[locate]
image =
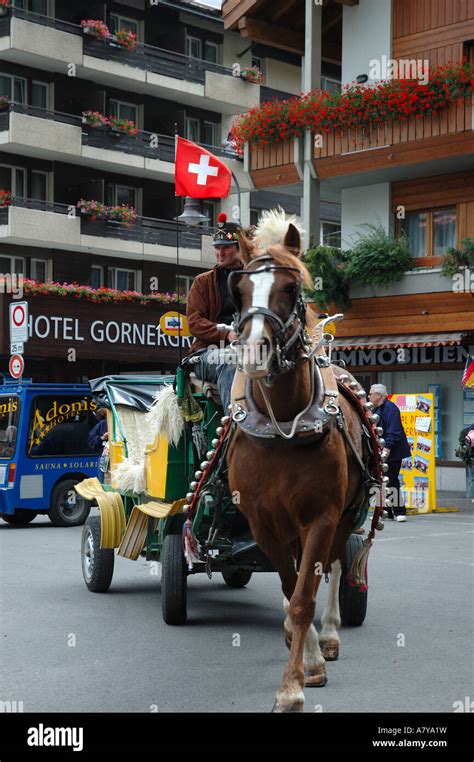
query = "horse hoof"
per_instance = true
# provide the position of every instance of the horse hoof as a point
(315, 677)
(292, 707)
(330, 650)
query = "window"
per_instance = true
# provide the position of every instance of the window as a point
(331, 234)
(123, 110)
(123, 22)
(39, 185)
(13, 87)
(9, 420)
(14, 180)
(255, 216)
(327, 83)
(121, 279)
(209, 133)
(59, 426)
(122, 194)
(430, 233)
(35, 6)
(12, 265)
(193, 47)
(209, 209)
(183, 284)
(97, 276)
(38, 270)
(256, 61)
(201, 132)
(193, 129)
(211, 52)
(39, 94)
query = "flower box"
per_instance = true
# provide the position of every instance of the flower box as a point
(94, 119)
(5, 197)
(126, 39)
(95, 28)
(122, 126)
(252, 74)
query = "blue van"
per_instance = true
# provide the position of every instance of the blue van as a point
(44, 451)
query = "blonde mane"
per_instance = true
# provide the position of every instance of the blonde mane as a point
(269, 236)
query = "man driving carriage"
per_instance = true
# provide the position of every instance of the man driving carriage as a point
(210, 310)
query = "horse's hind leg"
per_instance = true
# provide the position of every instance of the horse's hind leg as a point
(331, 619)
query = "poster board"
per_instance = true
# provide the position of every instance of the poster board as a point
(418, 472)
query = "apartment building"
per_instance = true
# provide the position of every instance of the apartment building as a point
(148, 64)
(414, 335)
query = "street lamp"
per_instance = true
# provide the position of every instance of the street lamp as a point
(191, 214)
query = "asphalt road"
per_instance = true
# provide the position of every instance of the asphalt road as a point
(66, 649)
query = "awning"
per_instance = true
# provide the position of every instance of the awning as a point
(392, 342)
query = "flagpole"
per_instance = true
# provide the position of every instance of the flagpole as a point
(178, 290)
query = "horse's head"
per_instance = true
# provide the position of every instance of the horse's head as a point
(272, 313)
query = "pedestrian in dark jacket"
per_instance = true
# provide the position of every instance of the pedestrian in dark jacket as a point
(98, 434)
(396, 445)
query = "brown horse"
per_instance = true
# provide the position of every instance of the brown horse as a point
(293, 495)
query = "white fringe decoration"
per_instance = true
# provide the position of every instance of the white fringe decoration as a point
(272, 228)
(129, 476)
(165, 416)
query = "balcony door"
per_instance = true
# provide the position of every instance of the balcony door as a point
(14, 180)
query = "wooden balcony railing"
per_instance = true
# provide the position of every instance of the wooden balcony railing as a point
(273, 164)
(411, 141)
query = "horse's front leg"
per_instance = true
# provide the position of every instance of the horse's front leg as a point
(313, 659)
(331, 619)
(317, 542)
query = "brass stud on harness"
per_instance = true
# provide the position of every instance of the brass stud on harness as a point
(379, 431)
(215, 442)
(193, 486)
(204, 464)
(385, 479)
(354, 385)
(189, 496)
(374, 418)
(368, 406)
(197, 474)
(225, 420)
(382, 443)
(362, 394)
(344, 378)
(210, 454)
(219, 431)
(385, 467)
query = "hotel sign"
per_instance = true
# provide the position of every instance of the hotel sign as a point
(107, 331)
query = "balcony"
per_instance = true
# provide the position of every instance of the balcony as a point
(387, 153)
(446, 138)
(31, 131)
(51, 225)
(54, 45)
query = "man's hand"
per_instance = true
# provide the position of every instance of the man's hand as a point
(232, 336)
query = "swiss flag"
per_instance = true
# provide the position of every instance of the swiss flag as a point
(198, 173)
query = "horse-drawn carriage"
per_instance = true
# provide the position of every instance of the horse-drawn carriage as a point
(150, 483)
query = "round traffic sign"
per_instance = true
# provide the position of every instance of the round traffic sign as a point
(16, 366)
(19, 315)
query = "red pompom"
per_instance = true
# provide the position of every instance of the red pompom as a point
(222, 217)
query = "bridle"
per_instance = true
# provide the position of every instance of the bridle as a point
(284, 342)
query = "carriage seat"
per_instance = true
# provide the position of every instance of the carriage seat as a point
(206, 388)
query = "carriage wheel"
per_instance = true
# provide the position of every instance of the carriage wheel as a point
(173, 580)
(353, 605)
(97, 562)
(237, 578)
